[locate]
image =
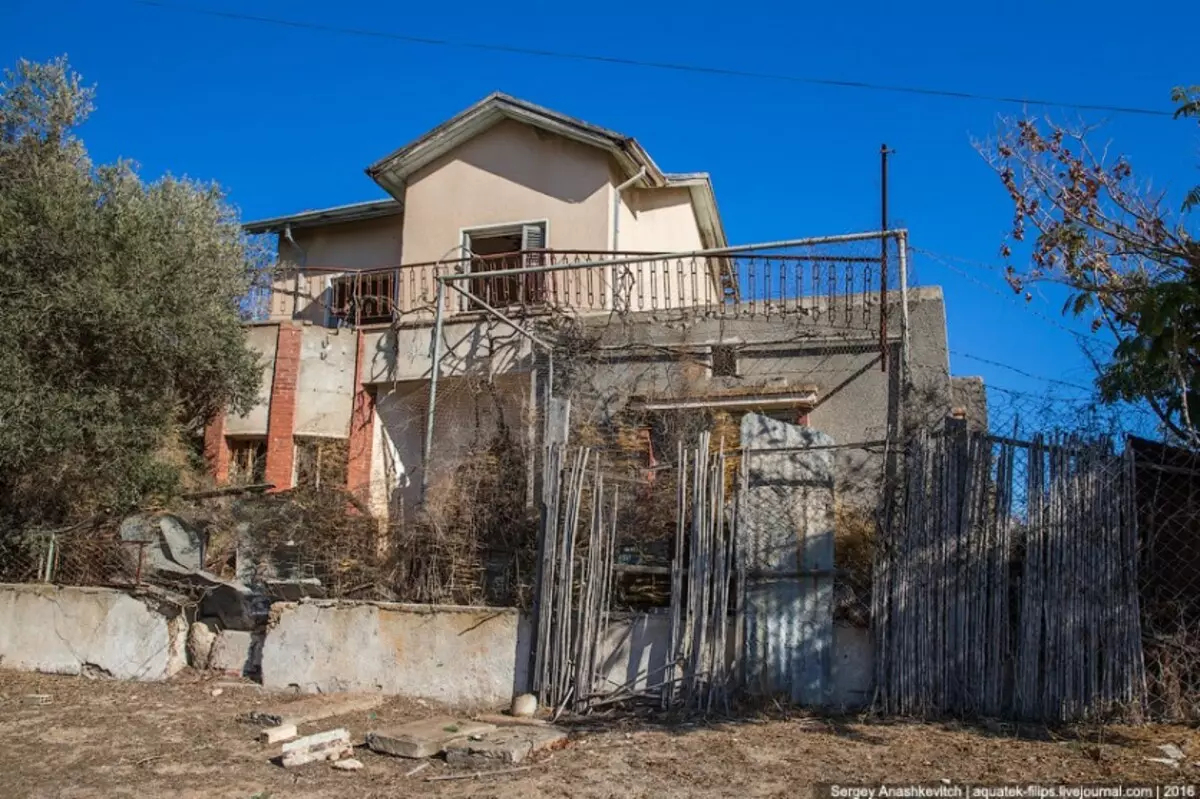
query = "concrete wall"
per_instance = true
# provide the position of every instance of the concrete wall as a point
(325, 385)
(469, 415)
(262, 339)
(69, 630)
(510, 173)
(459, 655)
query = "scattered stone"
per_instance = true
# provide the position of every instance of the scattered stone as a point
(315, 708)
(1165, 761)
(424, 738)
(524, 706)
(36, 699)
(506, 746)
(216, 692)
(348, 764)
(201, 637)
(329, 745)
(1172, 751)
(274, 735)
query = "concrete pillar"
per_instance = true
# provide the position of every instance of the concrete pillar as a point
(216, 449)
(281, 422)
(362, 428)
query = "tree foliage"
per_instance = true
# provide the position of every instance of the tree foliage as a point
(119, 311)
(1124, 252)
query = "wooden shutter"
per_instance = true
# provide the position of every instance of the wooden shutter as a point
(533, 237)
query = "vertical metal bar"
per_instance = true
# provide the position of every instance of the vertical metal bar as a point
(433, 382)
(902, 246)
(883, 254)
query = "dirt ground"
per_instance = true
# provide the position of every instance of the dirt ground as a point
(101, 738)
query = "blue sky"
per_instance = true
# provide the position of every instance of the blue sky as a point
(287, 119)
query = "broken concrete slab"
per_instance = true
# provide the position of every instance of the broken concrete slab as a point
(274, 735)
(505, 746)
(347, 764)
(315, 708)
(329, 745)
(424, 738)
(501, 720)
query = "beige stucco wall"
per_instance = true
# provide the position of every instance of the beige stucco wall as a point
(369, 244)
(510, 173)
(261, 339)
(663, 221)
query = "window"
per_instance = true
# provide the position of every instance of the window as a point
(724, 362)
(364, 298)
(247, 461)
(321, 462)
(508, 247)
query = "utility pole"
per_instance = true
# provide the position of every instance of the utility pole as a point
(884, 152)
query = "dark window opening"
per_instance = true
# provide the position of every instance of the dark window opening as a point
(510, 248)
(363, 299)
(247, 461)
(724, 362)
(321, 462)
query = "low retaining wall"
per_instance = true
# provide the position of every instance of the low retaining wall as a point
(71, 630)
(459, 655)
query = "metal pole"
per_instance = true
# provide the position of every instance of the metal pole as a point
(427, 451)
(883, 255)
(902, 245)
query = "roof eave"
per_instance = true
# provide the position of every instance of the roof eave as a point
(392, 171)
(355, 212)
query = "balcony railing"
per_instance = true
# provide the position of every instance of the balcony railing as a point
(837, 284)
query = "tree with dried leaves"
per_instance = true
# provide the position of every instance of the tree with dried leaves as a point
(1124, 253)
(119, 312)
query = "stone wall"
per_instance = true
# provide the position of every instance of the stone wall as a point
(70, 630)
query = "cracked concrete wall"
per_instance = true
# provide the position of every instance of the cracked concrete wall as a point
(459, 655)
(73, 630)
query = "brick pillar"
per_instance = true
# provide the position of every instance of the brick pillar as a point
(362, 428)
(216, 449)
(281, 421)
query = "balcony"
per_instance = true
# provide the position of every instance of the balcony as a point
(836, 279)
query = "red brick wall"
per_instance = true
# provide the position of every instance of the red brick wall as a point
(281, 422)
(216, 449)
(362, 429)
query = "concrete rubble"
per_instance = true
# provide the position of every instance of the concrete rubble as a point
(330, 745)
(506, 746)
(425, 738)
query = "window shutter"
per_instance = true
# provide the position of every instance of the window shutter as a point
(533, 287)
(533, 237)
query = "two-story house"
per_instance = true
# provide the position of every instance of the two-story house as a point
(517, 218)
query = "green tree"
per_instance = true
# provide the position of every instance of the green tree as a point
(119, 311)
(1123, 251)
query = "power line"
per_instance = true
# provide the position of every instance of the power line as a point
(635, 62)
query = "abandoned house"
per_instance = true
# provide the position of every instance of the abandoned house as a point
(531, 255)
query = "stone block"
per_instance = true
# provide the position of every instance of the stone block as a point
(316, 708)
(274, 735)
(424, 738)
(329, 745)
(506, 746)
(201, 637)
(236, 653)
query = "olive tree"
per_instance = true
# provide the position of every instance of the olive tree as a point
(119, 311)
